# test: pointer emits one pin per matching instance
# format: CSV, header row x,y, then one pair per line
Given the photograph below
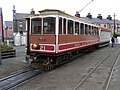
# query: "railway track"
x,y
83,84
9,82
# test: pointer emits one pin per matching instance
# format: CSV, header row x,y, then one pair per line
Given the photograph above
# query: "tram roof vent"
x,y
109,17
32,11
99,16
89,16
77,14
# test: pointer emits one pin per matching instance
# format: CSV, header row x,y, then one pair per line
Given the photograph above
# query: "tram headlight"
x,y
35,46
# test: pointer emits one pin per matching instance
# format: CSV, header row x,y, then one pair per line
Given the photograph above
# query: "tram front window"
x,y
36,26
49,25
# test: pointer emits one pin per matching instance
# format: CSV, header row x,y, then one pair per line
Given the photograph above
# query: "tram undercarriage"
x,y
49,62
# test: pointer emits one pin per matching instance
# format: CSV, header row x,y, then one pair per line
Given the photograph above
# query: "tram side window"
x,y
92,30
89,30
49,25
86,28
82,28
36,26
64,26
76,28
60,25
97,31
70,27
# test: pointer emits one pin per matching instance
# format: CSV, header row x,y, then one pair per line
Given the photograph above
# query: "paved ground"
x,y
67,76
64,77
14,64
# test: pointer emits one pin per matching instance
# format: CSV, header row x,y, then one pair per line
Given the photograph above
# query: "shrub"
x,y
5,47
116,35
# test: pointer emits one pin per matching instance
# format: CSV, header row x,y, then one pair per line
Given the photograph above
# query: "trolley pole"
x,y
77,12
85,6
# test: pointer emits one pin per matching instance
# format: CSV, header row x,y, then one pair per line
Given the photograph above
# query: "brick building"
x,y
8,32
19,27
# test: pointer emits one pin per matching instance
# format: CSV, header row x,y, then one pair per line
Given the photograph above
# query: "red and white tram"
x,y
55,36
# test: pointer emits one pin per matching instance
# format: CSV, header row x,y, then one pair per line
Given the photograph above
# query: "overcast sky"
x,y
103,7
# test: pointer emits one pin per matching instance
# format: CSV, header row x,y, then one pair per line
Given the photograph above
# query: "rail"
x,y
18,78
107,82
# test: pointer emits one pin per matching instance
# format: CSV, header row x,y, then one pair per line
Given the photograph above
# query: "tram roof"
x,y
61,13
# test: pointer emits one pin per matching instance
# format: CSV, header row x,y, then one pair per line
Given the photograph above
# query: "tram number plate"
x,y
42,47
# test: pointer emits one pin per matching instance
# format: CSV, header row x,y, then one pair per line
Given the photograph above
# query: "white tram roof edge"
x,y
61,13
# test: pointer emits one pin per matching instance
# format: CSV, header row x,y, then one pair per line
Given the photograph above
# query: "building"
x,y
113,25
19,27
8,32
1,26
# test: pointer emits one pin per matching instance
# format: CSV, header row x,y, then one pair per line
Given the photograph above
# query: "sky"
x,y
103,7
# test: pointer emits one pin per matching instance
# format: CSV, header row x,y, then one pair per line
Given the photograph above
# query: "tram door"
x,y
28,42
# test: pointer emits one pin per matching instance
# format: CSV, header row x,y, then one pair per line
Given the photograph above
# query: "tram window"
x,y
36,26
60,25
70,27
82,28
76,28
49,25
86,28
64,26
89,29
93,30
97,31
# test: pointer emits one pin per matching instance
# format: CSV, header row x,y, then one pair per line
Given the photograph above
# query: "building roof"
x,y
101,21
8,23
20,16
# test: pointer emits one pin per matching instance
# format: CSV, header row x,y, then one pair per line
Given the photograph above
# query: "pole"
x,y
114,24
2,26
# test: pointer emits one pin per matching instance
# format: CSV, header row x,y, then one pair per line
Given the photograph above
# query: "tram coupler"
x,y
30,59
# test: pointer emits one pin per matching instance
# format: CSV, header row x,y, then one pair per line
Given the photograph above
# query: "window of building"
x,y
36,26
70,27
49,25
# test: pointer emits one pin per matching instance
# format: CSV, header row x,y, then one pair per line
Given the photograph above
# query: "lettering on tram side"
x,y
78,44
41,40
